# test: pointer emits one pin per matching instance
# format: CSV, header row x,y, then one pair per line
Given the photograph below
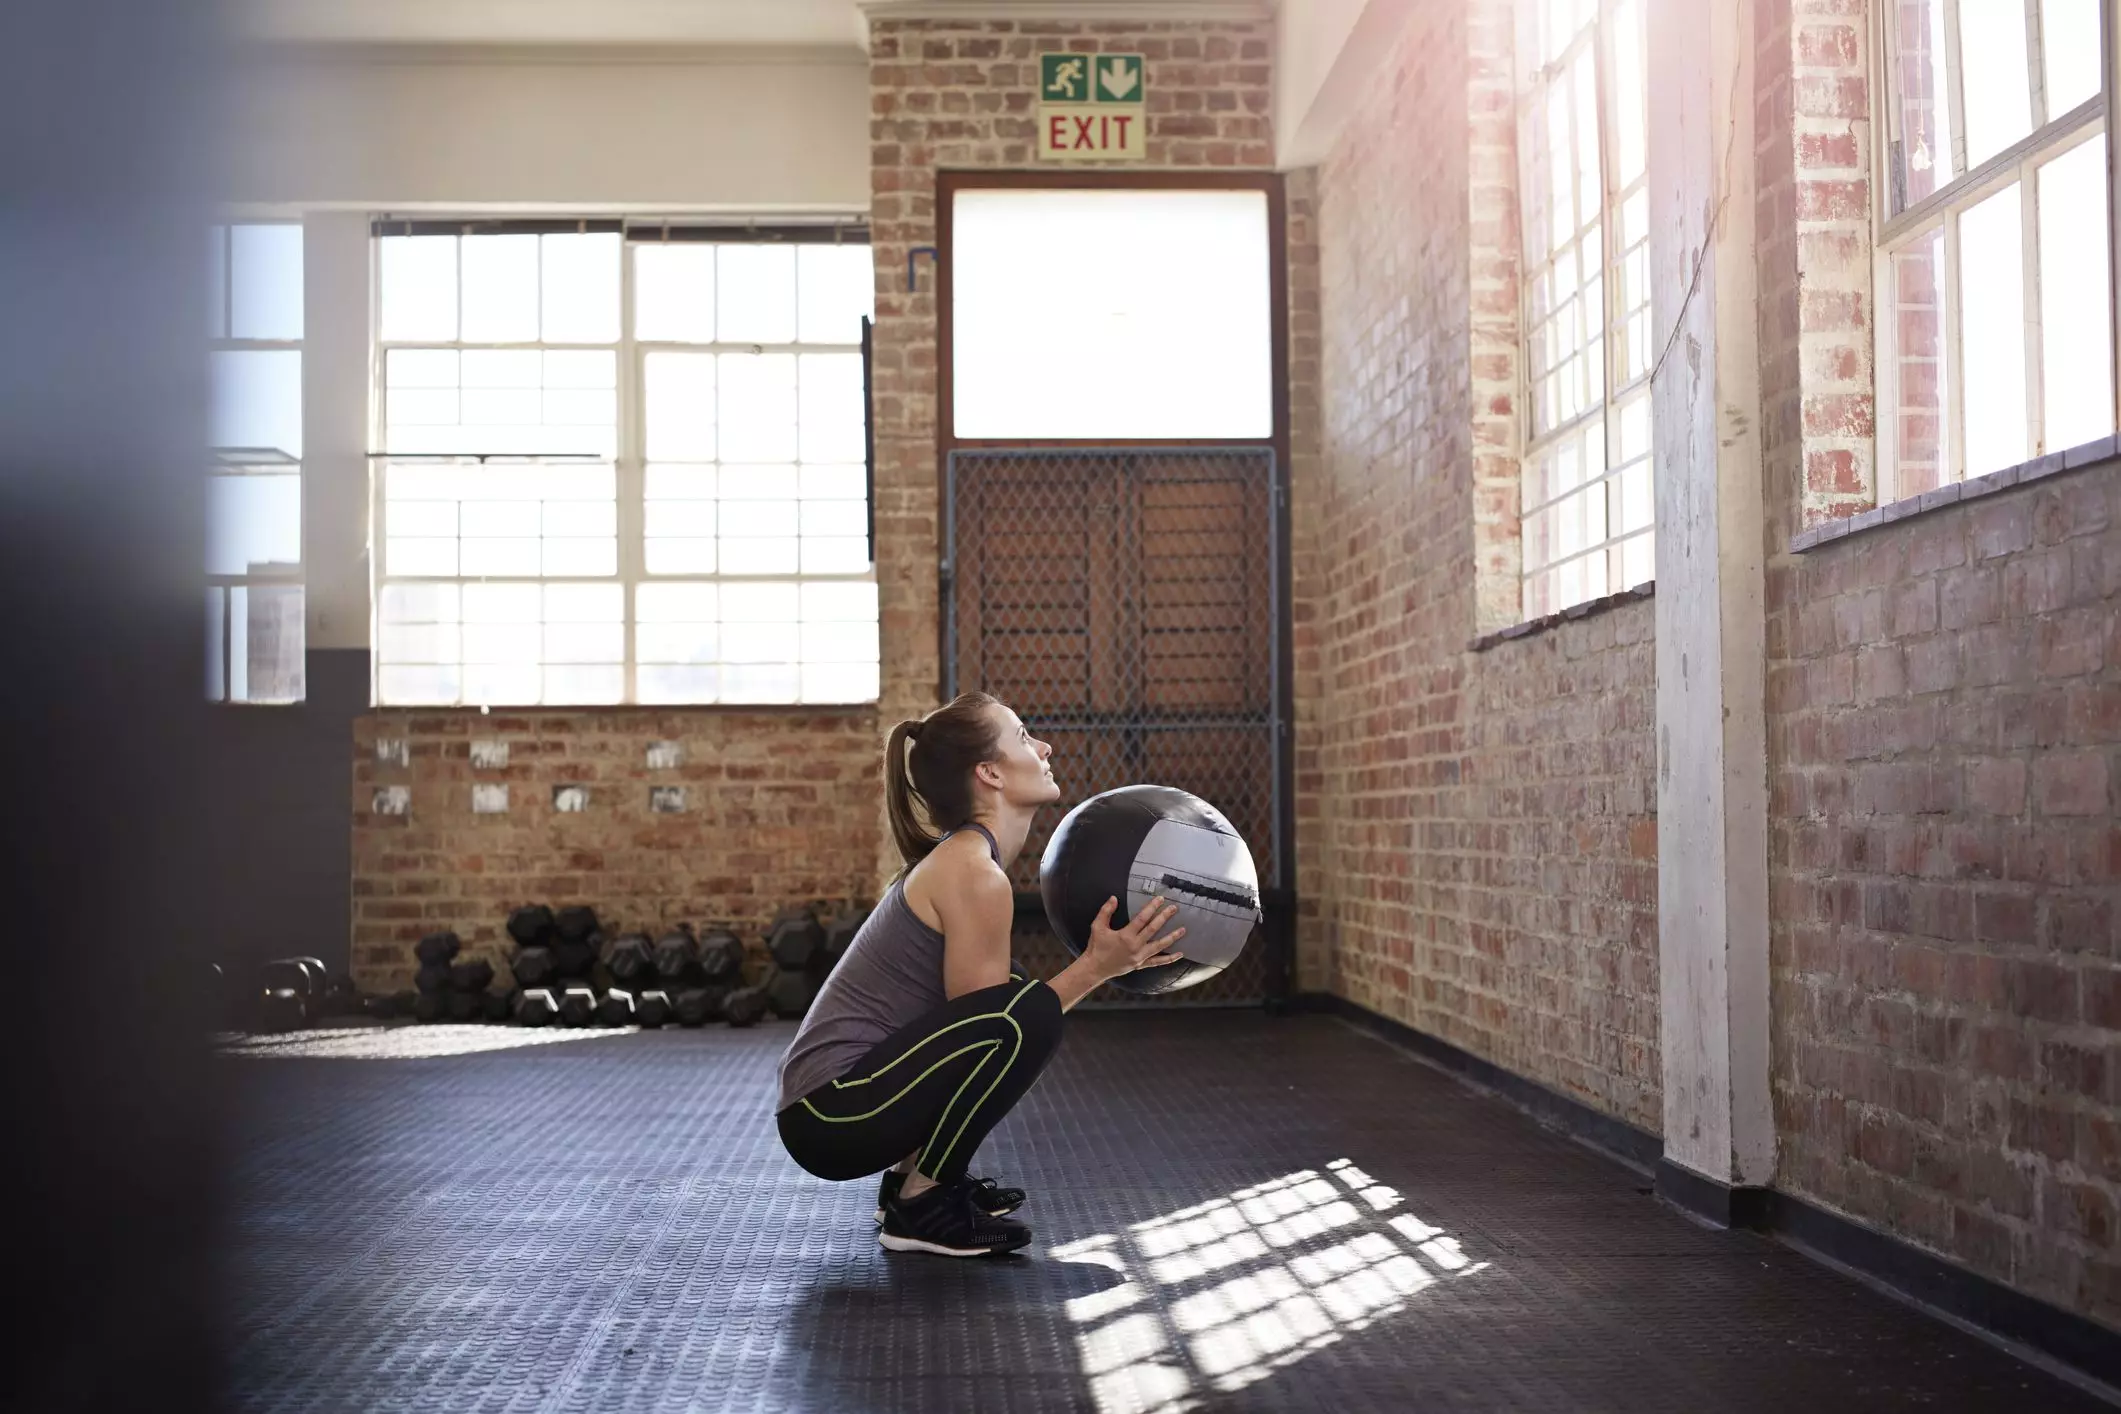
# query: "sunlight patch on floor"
x,y
1220,1295
402,1042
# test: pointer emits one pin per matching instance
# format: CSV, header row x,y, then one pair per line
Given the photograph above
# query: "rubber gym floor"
x,y
1232,1212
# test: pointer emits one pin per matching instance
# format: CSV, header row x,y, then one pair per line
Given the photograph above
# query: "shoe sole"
x,y
1002,1213
921,1244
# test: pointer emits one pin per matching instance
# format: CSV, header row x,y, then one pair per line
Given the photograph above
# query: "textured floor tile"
x,y
1234,1212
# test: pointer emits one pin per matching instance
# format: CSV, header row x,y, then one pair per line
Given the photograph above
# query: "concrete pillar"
x,y
335,349
1712,926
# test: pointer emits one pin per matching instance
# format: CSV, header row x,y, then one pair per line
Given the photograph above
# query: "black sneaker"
x,y
948,1222
987,1195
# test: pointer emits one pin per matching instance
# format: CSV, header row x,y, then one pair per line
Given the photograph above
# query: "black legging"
x,y
938,1084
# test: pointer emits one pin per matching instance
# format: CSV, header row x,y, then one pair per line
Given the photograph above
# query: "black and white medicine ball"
x,y
1141,842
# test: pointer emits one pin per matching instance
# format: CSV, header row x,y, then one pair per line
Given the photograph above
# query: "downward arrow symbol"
x,y
1118,78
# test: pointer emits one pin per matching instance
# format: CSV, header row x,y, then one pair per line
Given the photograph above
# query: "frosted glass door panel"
x,y
1111,314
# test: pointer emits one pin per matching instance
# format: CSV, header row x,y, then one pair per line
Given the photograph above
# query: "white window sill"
x,y
1575,611
2099,453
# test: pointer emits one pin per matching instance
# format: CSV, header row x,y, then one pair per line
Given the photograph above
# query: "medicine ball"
x,y
1139,842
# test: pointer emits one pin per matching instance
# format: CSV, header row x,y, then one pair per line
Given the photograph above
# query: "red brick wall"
x,y
780,808
1478,836
1944,743
960,95
1945,768
1827,129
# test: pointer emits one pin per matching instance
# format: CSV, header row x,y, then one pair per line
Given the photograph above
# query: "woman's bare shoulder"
x,y
960,868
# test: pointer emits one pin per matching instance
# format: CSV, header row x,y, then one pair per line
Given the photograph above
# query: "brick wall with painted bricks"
x,y
716,817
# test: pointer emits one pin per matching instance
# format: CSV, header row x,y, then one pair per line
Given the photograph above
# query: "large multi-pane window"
x,y
622,470
254,607
1587,501
1996,342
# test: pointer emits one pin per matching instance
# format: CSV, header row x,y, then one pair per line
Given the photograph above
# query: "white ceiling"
x,y
738,22
796,23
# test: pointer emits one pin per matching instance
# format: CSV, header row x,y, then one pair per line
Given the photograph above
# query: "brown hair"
x,y
932,760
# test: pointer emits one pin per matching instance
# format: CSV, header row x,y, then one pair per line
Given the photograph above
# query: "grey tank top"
x,y
890,974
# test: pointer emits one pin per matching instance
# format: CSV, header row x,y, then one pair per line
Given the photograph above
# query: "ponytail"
x,y
913,840
928,768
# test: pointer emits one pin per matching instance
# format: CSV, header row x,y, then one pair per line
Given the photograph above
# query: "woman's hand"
x,y
1114,952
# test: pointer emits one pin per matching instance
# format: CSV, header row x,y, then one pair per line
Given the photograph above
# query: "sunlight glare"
x,y
1283,1294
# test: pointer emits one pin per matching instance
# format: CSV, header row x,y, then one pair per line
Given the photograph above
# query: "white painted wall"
x,y
1324,54
406,129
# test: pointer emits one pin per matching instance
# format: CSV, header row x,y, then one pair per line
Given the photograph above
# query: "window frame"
x,y
1892,232
629,461
1530,87
230,462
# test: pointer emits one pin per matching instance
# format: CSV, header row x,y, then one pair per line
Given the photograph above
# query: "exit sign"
x,y
1092,107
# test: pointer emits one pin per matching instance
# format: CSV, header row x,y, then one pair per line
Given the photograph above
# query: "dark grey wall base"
x,y
1704,1197
1634,1147
279,820
1942,1286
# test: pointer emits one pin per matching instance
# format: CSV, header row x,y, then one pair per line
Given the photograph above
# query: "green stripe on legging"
x,y
1017,1049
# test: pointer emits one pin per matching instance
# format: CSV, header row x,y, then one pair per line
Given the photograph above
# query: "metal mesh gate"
x,y
1125,601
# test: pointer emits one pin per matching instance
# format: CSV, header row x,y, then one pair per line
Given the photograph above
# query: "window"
x,y
1996,342
1587,501
622,470
254,487
1110,313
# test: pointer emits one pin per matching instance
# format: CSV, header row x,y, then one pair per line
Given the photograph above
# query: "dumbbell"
x,y
327,995
473,976
615,1008
652,1008
696,1006
789,994
433,978
797,943
281,1009
536,1006
497,1006
630,959
578,1004
464,1006
677,955
574,957
722,958
303,979
342,997
576,924
532,926
430,1006
437,949
535,967
746,1006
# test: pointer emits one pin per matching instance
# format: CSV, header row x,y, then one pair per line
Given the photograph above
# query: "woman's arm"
x,y
1114,952
1075,981
977,908
978,905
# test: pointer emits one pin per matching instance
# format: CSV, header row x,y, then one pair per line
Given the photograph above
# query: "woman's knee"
x,y
822,1153
1037,1012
